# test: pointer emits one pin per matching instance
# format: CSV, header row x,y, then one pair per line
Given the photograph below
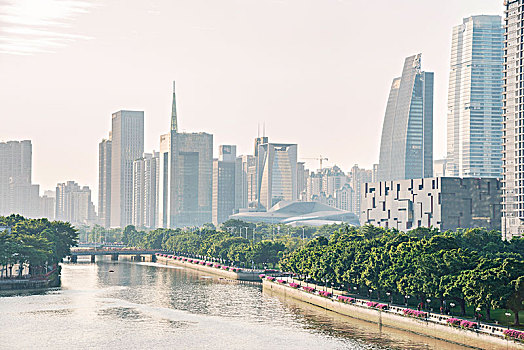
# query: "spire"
x,y
174,122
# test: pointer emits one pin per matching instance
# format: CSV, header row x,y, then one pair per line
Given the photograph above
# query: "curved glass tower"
x,y
406,148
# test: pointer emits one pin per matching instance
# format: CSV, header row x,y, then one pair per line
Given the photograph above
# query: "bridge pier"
x,y
114,257
93,258
74,258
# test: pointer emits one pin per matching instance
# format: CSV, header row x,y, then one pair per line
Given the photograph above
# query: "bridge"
x,y
114,253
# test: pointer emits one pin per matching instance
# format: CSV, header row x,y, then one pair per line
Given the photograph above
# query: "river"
x,y
145,306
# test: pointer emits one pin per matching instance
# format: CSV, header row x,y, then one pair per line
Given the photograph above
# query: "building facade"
x,y
446,203
73,204
224,184
474,145
164,178
406,148
145,191
513,122
276,174
104,183
127,146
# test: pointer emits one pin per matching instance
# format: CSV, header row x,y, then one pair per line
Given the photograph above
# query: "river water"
x,y
145,306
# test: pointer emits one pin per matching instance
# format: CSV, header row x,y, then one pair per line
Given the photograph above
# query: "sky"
x,y
315,72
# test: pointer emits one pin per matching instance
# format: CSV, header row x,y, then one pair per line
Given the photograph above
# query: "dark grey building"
x,y
224,184
446,203
104,182
406,147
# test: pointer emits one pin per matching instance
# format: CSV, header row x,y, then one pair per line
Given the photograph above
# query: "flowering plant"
x,y
189,260
281,281
261,275
202,263
294,285
414,313
452,321
224,267
309,289
217,266
346,299
270,278
209,264
468,324
511,333
325,294
382,306
372,303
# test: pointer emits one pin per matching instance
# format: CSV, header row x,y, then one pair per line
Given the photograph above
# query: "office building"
x,y
406,147
127,145
145,191
104,182
224,184
276,174
164,166
474,147
513,122
445,203
358,178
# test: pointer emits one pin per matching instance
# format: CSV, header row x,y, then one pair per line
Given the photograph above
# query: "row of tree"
x,y
214,244
36,243
473,266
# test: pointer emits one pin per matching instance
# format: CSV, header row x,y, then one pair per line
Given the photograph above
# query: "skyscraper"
x,y
164,178
276,173
406,148
104,182
127,146
73,203
17,194
191,171
145,191
513,122
475,99
224,171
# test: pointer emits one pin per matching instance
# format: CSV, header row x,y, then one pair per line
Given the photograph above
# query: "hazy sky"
x,y
317,72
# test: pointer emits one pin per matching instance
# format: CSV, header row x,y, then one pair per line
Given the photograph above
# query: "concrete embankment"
x,y
487,337
13,286
242,275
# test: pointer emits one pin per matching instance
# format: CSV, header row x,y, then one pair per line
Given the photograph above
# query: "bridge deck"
x,y
113,252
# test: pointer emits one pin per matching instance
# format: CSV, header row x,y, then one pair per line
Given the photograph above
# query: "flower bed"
x,y
202,263
514,334
270,278
325,294
209,264
372,303
382,306
468,324
345,299
414,313
217,266
225,267
281,281
308,289
261,275
294,285
455,322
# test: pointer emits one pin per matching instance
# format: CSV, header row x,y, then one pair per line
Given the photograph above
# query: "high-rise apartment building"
x,y
474,147
513,121
242,181
276,173
127,146
145,191
191,172
73,204
104,182
17,194
406,148
224,184
359,177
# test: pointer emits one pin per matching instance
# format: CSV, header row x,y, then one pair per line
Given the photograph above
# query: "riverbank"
x,y
14,286
435,326
229,272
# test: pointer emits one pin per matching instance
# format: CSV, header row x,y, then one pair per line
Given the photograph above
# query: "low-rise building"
x,y
446,203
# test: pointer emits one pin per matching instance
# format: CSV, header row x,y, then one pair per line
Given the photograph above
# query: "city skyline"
x,y
270,97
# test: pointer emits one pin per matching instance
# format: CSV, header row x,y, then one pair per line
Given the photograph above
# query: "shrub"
x,y
453,321
414,313
261,275
372,303
512,333
270,278
294,285
382,306
309,289
281,281
325,294
468,324
346,299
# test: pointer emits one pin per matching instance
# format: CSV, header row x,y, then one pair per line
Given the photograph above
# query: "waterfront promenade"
x,y
483,336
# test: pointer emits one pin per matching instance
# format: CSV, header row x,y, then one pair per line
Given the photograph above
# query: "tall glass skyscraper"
x,y
513,122
475,99
406,148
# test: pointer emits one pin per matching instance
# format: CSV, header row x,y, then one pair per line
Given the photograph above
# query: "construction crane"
x,y
320,159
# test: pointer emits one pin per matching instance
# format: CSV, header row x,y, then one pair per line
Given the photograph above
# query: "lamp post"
x,y
452,306
390,299
507,317
406,297
428,302
370,291
478,314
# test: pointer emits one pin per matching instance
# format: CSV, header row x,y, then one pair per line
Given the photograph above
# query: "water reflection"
x,y
147,306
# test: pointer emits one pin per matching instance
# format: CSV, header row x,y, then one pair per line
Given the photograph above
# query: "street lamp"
x,y
507,316
390,299
406,297
452,306
428,301
370,291
478,314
